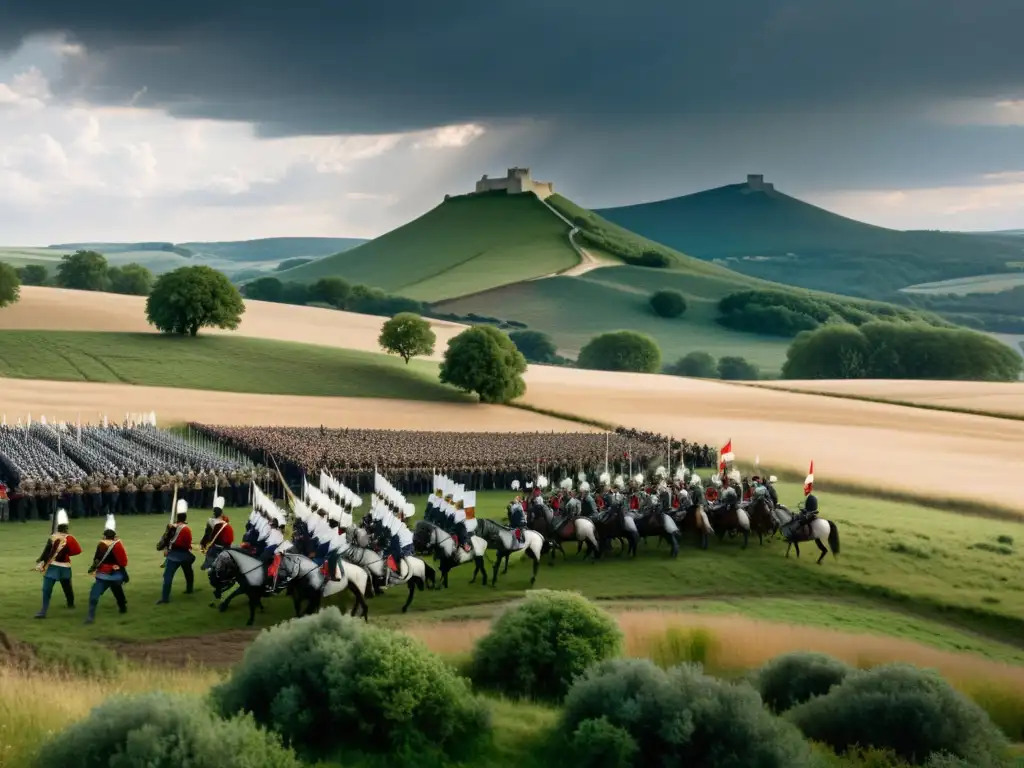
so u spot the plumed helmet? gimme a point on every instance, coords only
(542, 482)
(639, 478)
(62, 517)
(581, 476)
(605, 478)
(660, 472)
(110, 524)
(773, 479)
(515, 485)
(218, 503)
(181, 508)
(584, 487)
(566, 484)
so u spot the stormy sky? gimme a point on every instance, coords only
(205, 119)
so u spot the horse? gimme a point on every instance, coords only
(762, 520)
(794, 531)
(542, 520)
(306, 580)
(430, 537)
(233, 566)
(694, 518)
(654, 521)
(414, 571)
(614, 524)
(503, 541)
(732, 519)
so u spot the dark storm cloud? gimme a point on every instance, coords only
(342, 66)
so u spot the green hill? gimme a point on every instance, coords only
(220, 363)
(466, 244)
(765, 233)
(274, 248)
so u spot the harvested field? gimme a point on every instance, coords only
(65, 400)
(895, 448)
(981, 396)
(57, 309)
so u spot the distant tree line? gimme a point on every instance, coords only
(703, 365)
(881, 350)
(90, 271)
(786, 314)
(1001, 312)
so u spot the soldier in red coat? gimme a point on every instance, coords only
(218, 536)
(177, 540)
(55, 563)
(109, 564)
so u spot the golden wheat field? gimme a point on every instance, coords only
(57, 309)
(988, 397)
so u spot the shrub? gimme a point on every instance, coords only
(324, 682)
(537, 648)
(599, 744)
(682, 717)
(911, 711)
(157, 730)
(33, 274)
(484, 360)
(10, 285)
(621, 351)
(677, 646)
(536, 347)
(668, 303)
(700, 365)
(131, 279)
(330, 290)
(737, 369)
(793, 678)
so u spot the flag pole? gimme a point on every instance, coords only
(607, 441)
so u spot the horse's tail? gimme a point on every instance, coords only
(833, 538)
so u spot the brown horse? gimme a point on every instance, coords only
(611, 525)
(762, 521)
(732, 519)
(541, 518)
(693, 519)
(654, 521)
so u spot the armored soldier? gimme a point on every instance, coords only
(177, 540)
(109, 564)
(55, 563)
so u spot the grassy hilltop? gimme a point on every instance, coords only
(766, 233)
(464, 245)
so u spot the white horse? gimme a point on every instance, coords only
(503, 540)
(414, 571)
(794, 531)
(429, 537)
(580, 529)
(306, 581)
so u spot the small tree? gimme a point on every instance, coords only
(132, 279)
(190, 298)
(10, 285)
(484, 360)
(330, 290)
(264, 289)
(668, 303)
(33, 274)
(536, 347)
(407, 335)
(83, 271)
(699, 365)
(737, 369)
(621, 351)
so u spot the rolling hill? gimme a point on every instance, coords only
(234, 258)
(762, 232)
(464, 245)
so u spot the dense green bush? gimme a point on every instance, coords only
(10, 285)
(700, 365)
(131, 279)
(484, 360)
(537, 648)
(157, 730)
(536, 347)
(330, 290)
(33, 274)
(325, 681)
(732, 368)
(913, 712)
(668, 303)
(621, 351)
(793, 678)
(881, 350)
(681, 717)
(599, 744)
(264, 289)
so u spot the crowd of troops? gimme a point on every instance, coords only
(479, 461)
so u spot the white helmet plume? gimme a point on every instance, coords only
(111, 524)
(605, 478)
(515, 485)
(182, 507)
(584, 487)
(542, 482)
(660, 472)
(581, 476)
(639, 478)
(62, 517)
(566, 484)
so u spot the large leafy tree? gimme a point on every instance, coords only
(190, 298)
(83, 271)
(10, 285)
(265, 289)
(536, 347)
(330, 290)
(33, 274)
(698, 365)
(737, 369)
(132, 279)
(621, 351)
(407, 335)
(484, 360)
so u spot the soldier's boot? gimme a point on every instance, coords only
(69, 593)
(91, 615)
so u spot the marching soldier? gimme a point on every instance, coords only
(55, 563)
(128, 497)
(177, 540)
(95, 498)
(109, 565)
(218, 536)
(77, 507)
(148, 489)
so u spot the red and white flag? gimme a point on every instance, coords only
(727, 456)
(809, 482)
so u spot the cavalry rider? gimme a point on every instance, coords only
(334, 549)
(517, 518)
(773, 494)
(730, 496)
(461, 530)
(269, 555)
(589, 505)
(109, 565)
(218, 535)
(55, 563)
(399, 539)
(177, 540)
(808, 514)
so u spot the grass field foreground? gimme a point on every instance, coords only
(218, 363)
(465, 245)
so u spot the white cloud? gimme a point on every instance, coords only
(987, 112)
(77, 172)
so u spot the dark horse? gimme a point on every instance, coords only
(504, 542)
(233, 566)
(307, 582)
(654, 521)
(611, 524)
(762, 521)
(541, 519)
(432, 538)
